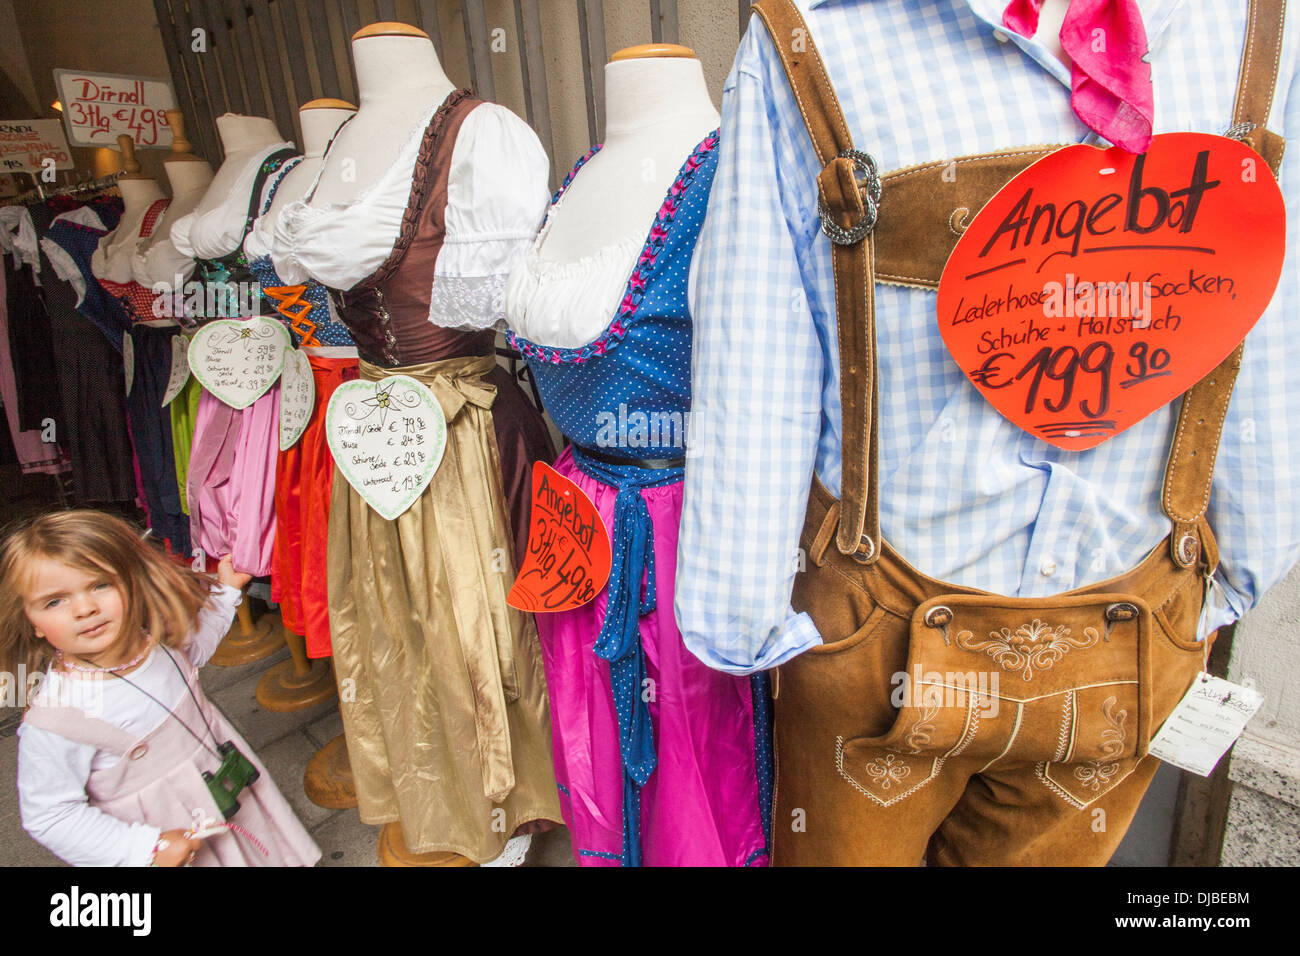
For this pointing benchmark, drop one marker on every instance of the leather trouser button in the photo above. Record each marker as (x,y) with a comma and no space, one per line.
(938,616)
(1124,611)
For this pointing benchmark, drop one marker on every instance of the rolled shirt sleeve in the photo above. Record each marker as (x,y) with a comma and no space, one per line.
(1252,503)
(757,376)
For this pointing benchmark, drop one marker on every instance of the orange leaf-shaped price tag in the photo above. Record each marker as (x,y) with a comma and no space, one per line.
(568,557)
(1099,285)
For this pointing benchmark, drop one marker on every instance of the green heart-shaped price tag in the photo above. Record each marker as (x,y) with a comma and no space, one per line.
(239,360)
(387,439)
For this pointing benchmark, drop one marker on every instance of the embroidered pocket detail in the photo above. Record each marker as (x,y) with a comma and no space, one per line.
(884,776)
(1062,689)
(1111,739)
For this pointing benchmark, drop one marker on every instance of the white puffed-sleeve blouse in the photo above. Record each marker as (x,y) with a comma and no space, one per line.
(496,197)
(220,231)
(161,262)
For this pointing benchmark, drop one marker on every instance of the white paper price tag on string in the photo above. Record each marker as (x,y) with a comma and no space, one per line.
(297,398)
(1207,721)
(180,370)
(128,360)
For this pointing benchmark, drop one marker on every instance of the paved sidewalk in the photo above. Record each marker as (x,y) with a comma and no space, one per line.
(284,742)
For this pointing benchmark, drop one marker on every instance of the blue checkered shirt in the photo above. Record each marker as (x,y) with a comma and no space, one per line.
(965,495)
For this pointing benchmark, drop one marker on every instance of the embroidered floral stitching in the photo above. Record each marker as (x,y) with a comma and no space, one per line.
(1063,738)
(1040,770)
(885,773)
(919,735)
(875,768)
(972,729)
(386,322)
(839,766)
(1031,645)
(1095,774)
(636,283)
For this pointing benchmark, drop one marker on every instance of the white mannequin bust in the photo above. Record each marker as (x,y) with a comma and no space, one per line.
(320,120)
(188,175)
(190,181)
(242,138)
(138,192)
(658,110)
(137,196)
(156,259)
(399,79)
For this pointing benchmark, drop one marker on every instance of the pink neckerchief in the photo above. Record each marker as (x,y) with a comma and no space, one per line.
(1110,83)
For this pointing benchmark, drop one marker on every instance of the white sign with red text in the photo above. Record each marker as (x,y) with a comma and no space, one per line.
(99,106)
(25,145)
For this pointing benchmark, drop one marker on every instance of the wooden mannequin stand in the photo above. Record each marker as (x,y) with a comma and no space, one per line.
(247,641)
(182,148)
(297,683)
(130,165)
(328,778)
(392,851)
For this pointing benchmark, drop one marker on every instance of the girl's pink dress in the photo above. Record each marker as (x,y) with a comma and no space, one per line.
(159,780)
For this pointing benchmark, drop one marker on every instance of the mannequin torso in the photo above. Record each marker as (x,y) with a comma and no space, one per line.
(242,137)
(217,225)
(318,126)
(190,181)
(571,282)
(399,80)
(658,110)
(137,196)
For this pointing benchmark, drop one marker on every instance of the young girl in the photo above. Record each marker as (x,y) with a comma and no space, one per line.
(116,742)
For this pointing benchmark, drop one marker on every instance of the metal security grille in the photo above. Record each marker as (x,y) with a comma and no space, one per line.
(266,57)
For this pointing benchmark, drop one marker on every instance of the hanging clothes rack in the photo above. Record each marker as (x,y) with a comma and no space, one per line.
(39,193)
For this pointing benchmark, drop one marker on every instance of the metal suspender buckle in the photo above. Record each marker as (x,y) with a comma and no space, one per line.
(867,180)
(866,550)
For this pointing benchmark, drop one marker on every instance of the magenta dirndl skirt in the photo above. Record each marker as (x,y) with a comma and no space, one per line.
(700,806)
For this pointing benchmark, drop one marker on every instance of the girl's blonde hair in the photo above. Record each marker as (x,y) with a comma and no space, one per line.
(157,595)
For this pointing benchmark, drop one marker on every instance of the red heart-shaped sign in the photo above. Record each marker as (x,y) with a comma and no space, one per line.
(1098,285)
(568,557)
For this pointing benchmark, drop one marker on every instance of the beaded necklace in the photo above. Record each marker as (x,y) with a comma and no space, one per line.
(66,664)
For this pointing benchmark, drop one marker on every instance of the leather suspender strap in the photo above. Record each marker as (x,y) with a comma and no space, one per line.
(1195,446)
(849,190)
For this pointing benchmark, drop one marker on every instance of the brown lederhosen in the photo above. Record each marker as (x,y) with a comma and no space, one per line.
(1016,714)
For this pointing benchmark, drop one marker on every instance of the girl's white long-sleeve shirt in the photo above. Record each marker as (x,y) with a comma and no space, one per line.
(53,771)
